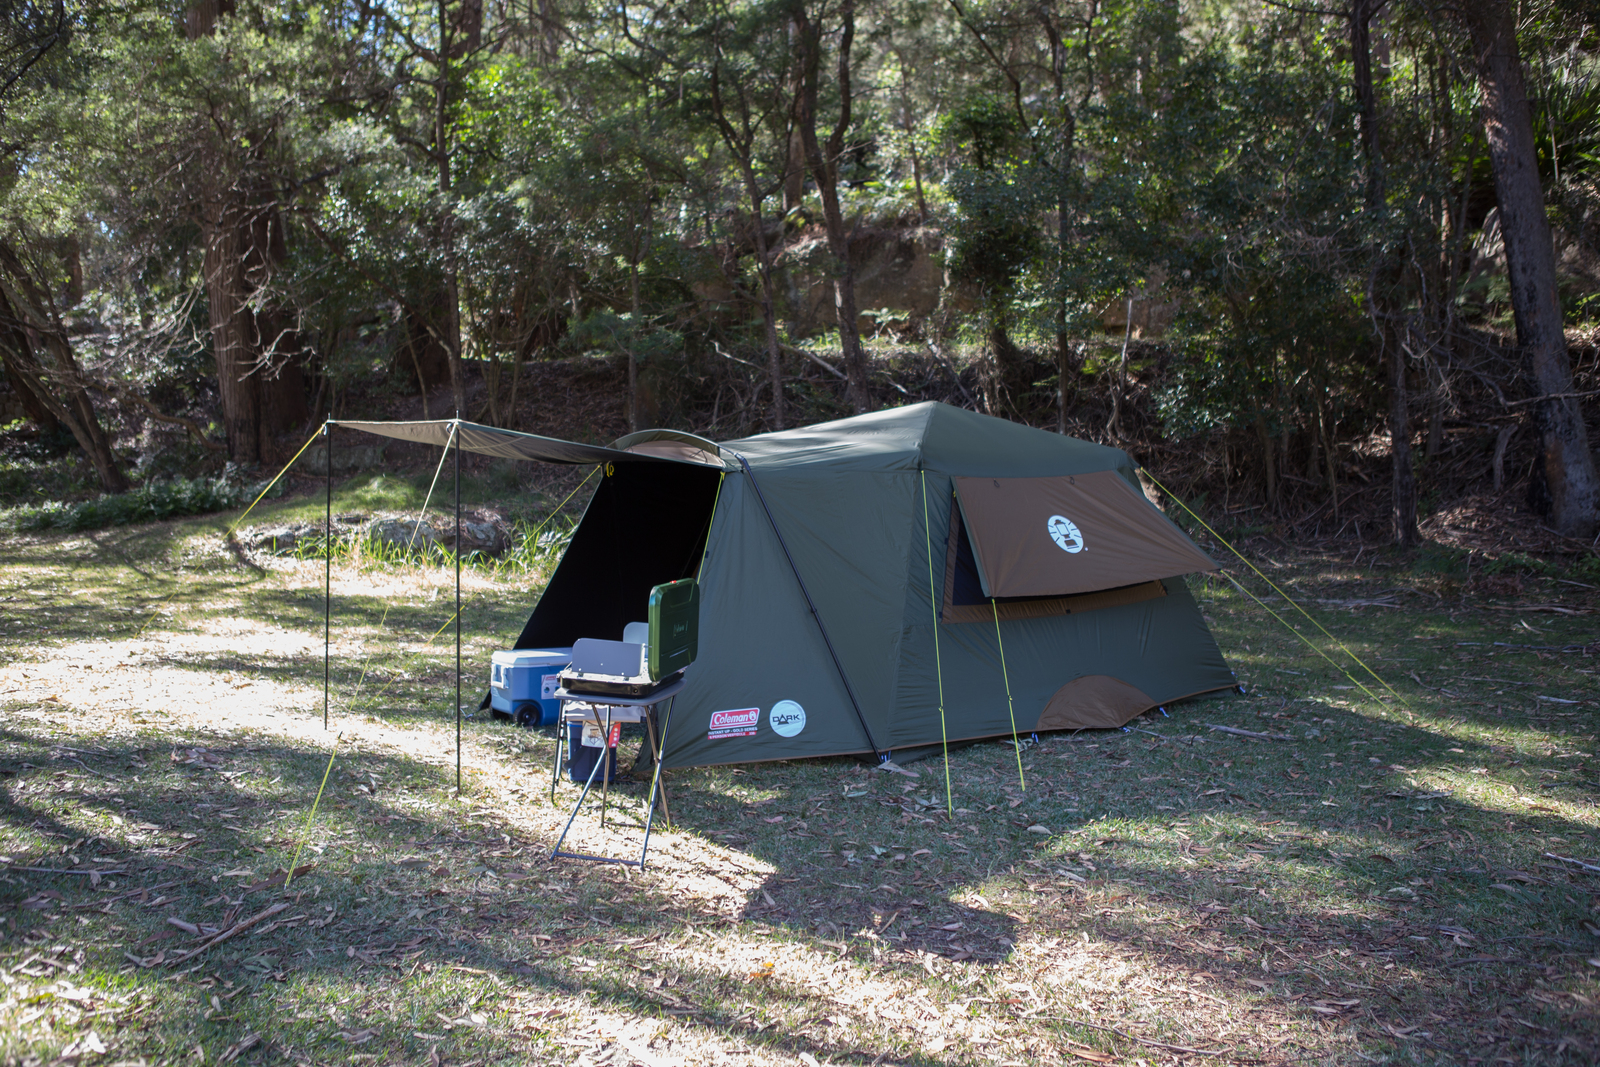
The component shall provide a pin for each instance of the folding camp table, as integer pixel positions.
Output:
(667, 693)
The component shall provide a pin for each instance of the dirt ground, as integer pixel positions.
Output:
(1407, 878)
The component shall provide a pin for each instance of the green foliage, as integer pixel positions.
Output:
(152, 502)
(1520, 563)
(1586, 569)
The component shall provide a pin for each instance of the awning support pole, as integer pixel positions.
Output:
(883, 756)
(457, 436)
(327, 578)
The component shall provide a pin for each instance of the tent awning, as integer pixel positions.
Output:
(1070, 534)
(508, 444)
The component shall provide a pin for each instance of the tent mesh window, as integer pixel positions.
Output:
(963, 591)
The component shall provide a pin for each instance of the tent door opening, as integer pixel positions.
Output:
(645, 526)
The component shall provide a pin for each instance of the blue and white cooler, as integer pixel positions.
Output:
(522, 685)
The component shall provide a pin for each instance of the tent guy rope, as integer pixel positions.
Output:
(1309, 618)
(1011, 707)
(933, 602)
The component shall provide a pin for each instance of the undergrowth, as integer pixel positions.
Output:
(152, 502)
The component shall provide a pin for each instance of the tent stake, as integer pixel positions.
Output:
(457, 436)
(848, 688)
(327, 578)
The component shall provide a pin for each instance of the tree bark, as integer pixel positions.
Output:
(442, 148)
(741, 142)
(1403, 512)
(258, 367)
(823, 162)
(1386, 275)
(24, 316)
(1569, 467)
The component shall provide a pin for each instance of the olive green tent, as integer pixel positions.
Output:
(888, 582)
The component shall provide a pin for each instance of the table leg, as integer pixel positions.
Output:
(655, 785)
(581, 798)
(561, 738)
(605, 764)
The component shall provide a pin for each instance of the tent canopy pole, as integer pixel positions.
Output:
(458, 611)
(815, 614)
(327, 575)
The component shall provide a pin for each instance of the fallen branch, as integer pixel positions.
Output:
(1152, 733)
(1589, 867)
(236, 928)
(1550, 396)
(735, 359)
(813, 357)
(103, 901)
(1248, 733)
(951, 367)
(58, 870)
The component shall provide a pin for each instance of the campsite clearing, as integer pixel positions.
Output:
(1392, 884)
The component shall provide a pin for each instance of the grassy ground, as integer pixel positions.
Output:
(1375, 886)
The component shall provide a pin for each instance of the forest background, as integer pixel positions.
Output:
(1328, 264)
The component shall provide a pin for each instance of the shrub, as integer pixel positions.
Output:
(151, 502)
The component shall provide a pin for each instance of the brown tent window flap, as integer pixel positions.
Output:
(1047, 546)
(964, 600)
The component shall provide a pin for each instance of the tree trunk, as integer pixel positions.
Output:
(1403, 515)
(37, 411)
(1569, 467)
(823, 162)
(741, 142)
(60, 389)
(442, 148)
(227, 298)
(1386, 275)
(258, 363)
(1269, 469)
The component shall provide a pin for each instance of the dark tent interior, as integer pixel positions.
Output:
(647, 524)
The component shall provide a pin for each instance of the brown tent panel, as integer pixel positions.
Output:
(1093, 702)
(1070, 534)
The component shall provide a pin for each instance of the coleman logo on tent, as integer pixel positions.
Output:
(1064, 533)
(787, 718)
(739, 723)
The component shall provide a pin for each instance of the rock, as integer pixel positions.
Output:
(282, 540)
(485, 538)
(402, 534)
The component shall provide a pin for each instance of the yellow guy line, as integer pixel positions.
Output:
(1010, 707)
(416, 528)
(1353, 681)
(1286, 597)
(479, 598)
(927, 537)
(289, 874)
(268, 489)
